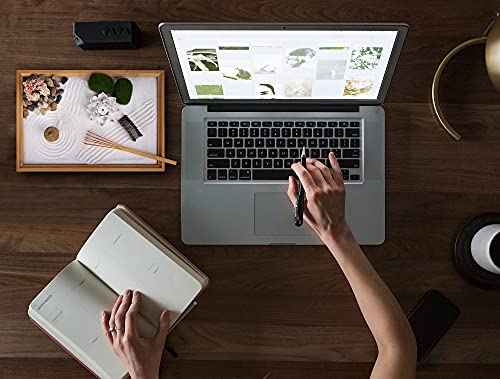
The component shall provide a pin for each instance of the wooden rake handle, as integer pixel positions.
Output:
(147, 155)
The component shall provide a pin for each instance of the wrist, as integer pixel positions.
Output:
(337, 236)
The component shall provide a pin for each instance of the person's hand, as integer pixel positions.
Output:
(324, 208)
(141, 356)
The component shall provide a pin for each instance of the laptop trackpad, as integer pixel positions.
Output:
(274, 216)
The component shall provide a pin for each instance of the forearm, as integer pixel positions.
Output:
(380, 309)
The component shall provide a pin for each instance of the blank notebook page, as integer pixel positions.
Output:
(124, 259)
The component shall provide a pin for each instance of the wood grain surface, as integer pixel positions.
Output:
(284, 312)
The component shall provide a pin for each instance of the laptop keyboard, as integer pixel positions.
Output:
(256, 150)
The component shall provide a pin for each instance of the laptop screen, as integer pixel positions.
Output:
(283, 64)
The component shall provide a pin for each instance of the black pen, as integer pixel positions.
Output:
(299, 203)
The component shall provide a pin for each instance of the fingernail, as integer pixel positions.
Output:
(103, 313)
(136, 294)
(127, 293)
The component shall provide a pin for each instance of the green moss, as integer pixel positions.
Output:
(101, 83)
(123, 91)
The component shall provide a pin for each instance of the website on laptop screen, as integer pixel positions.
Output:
(283, 64)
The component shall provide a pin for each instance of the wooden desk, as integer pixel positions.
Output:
(283, 310)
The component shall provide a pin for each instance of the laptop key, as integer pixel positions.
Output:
(322, 124)
(333, 143)
(351, 132)
(246, 163)
(288, 124)
(233, 132)
(273, 153)
(328, 133)
(339, 133)
(251, 153)
(234, 123)
(245, 174)
(278, 163)
(291, 142)
(222, 174)
(295, 153)
(307, 133)
(351, 153)
(323, 142)
(235, 163)
(288, 163)
(262, 153)
(265, 132)
(243, 132)
(345, 174)
(233, 174)
(355, 142)
(223, 123)
(344, 142)
(302, 142)
(333, 124)
(267, 123)
(311, 124)
(256, 124)
(268, 163)
(228, 142)
(278, 123)
(259, 142)
(212, 132)
(241, 153)
(257, 163)
(218, 163)
(238, 142)
(214, 142)
(248, 142)
(272, 174)
(254, 133)
(211, 174)
(315, 153)
(280, 142)
(344, 124)
(349, 163)
(337, 153)
(230, 153)
(275, 133)
(300, 124)
(286, 132)
(215, 153)
(312, 143)
(318, 133)
(212, 123)
(246, 124)
(325, 153)
(296, 132)
(354, 177)
(354, 124)
(270, 142)
(222, 132)
(283, 153)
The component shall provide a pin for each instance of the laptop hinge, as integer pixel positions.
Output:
(283, 108)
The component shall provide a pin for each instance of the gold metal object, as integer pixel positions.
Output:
(491, 38)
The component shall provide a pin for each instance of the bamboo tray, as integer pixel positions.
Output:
(22, 166)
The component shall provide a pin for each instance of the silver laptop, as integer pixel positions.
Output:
(255, 95)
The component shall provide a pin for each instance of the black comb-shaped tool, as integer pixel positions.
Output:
(130, 127)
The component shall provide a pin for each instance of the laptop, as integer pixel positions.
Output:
(255, 95)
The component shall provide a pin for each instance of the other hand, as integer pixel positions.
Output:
(324, 208)
(141, 356)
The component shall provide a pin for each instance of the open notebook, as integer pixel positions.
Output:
(122, 253)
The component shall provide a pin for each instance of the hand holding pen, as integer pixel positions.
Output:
(324, 202)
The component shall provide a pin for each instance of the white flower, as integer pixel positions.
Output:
(101, 108)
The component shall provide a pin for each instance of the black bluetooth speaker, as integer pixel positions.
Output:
(107, 35)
